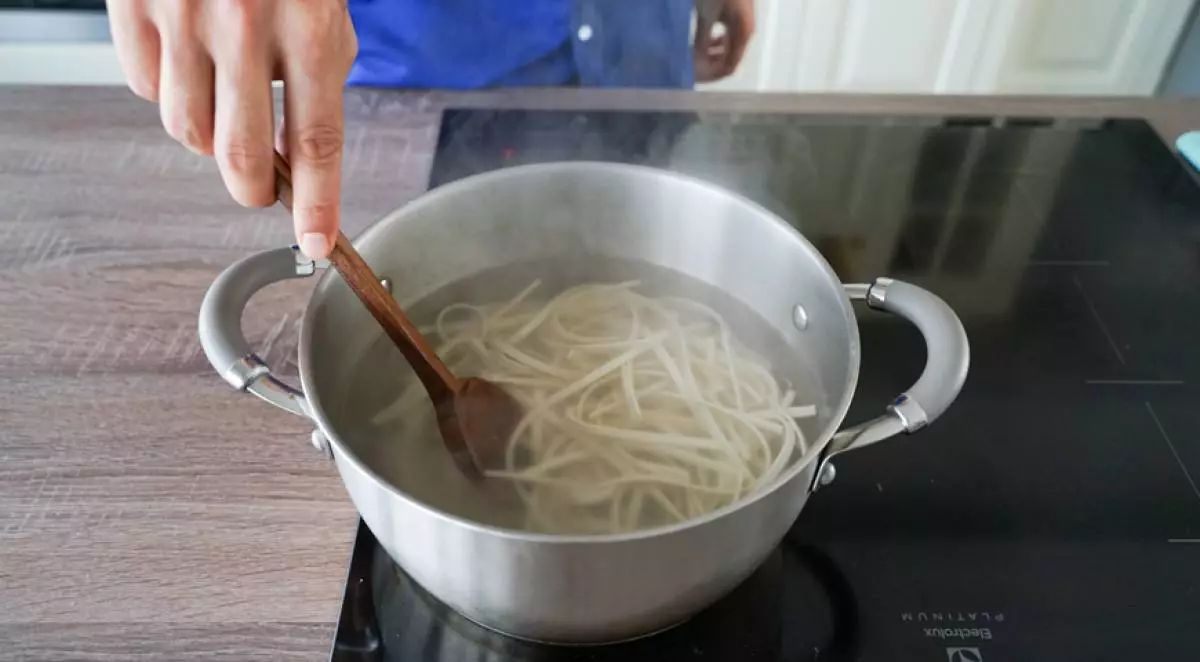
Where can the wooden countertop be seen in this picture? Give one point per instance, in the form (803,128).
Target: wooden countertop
(145,508)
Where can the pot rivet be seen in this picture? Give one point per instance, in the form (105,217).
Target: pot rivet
(386,283)
(828,473)
(800,317)
(320,443)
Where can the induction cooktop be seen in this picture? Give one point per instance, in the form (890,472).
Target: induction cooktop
(1051,515)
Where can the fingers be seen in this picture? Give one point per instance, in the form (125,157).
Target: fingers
(739,25)
(708,52)
(137,44)
(702,65)
(210,64)
(313,120)
(721,52)
(718,57)
(244,109)
(313,125)
(185,85)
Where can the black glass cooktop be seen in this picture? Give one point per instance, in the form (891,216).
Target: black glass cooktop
(1052,514)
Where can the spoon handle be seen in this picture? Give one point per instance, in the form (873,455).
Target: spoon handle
(431,370)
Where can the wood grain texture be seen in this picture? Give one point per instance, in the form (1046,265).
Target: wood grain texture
(441,384)
(365,283)
(105,642)
(146,510)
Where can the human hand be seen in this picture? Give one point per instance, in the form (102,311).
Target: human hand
(209,66)
(716,57)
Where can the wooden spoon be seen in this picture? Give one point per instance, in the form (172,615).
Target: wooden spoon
(474,415)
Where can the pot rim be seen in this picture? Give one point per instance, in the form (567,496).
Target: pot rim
(434,196)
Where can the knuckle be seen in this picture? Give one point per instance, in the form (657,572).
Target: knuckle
(318,29)
(178,20)
(242,11)
(318,210)
(241,158)
(183,132)
(313,29)
(321,214)
(189,131)
(319,143)
(241,20)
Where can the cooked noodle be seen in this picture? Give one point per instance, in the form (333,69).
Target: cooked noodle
(639,411)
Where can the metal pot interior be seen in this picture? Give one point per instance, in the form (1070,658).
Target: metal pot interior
(485,238)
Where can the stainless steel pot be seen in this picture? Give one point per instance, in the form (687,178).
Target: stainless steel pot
(584,588)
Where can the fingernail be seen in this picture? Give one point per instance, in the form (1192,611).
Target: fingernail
(315,245)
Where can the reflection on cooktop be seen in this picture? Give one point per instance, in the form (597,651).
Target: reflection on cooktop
(1053,513)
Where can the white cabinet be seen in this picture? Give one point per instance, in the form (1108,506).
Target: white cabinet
(84,63)
(1091,46)
(56,47)
(962,46)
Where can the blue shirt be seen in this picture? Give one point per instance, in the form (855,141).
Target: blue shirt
(464,44)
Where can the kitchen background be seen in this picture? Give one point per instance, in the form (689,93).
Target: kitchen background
(1088,47)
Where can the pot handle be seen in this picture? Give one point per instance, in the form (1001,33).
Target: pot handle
(948,356)
(221,324)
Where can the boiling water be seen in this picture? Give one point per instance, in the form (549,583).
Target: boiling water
(409,453)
